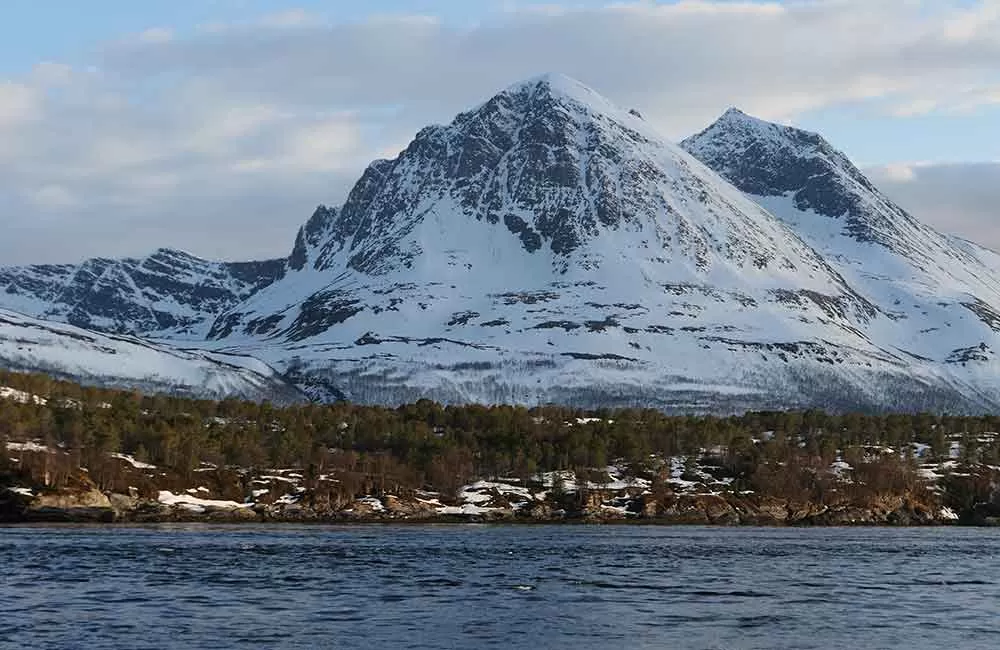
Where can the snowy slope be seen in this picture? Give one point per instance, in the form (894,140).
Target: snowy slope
(29,344)
(941,294)
(167,293)
(548,246)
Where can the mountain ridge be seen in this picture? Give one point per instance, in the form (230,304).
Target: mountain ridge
(167,293)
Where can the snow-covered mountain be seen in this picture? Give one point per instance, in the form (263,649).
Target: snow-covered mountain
(65,351)
(168,293)
(940,294)
(548,246)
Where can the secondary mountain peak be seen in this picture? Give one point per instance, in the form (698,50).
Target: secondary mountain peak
(765,159)
(555,82)
(734,114)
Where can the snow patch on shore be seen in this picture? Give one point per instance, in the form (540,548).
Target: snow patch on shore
(138,464)
(196,504)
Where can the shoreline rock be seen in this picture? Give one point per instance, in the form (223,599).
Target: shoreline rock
(723,510)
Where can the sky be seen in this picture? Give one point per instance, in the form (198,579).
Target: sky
(217,126)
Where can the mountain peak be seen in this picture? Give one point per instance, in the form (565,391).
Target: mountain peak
(765,159)
(172,253)
(558,84)
(737,127)
(545,158)
(556,89)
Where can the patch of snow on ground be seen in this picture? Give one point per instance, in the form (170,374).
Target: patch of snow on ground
(589,421)
(196,504)
(474,493)
(677,470)
(371,502)
(274,477)
(464,509)
(138,464)
(929,473)
(7,392)
(26,446)
(839,467)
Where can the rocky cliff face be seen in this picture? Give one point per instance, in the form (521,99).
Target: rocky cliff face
(168,293)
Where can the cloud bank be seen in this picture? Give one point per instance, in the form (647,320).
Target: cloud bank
(962,199)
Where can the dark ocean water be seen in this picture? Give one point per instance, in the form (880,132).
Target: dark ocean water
(572,587)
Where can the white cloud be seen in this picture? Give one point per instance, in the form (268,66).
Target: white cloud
(703,7)
(52,197)
(155,35)
(18,103)
(914,107)
(222,141)
(898,172)
(289,18)
(325,145)
(681,61)
(968,24)
(49,74)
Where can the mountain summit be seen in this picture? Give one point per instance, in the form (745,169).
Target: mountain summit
(770,160)
(553,165)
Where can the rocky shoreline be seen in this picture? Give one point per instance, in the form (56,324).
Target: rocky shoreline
(94,506)
(682,491)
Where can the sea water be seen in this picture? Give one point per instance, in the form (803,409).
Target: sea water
(493,586)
